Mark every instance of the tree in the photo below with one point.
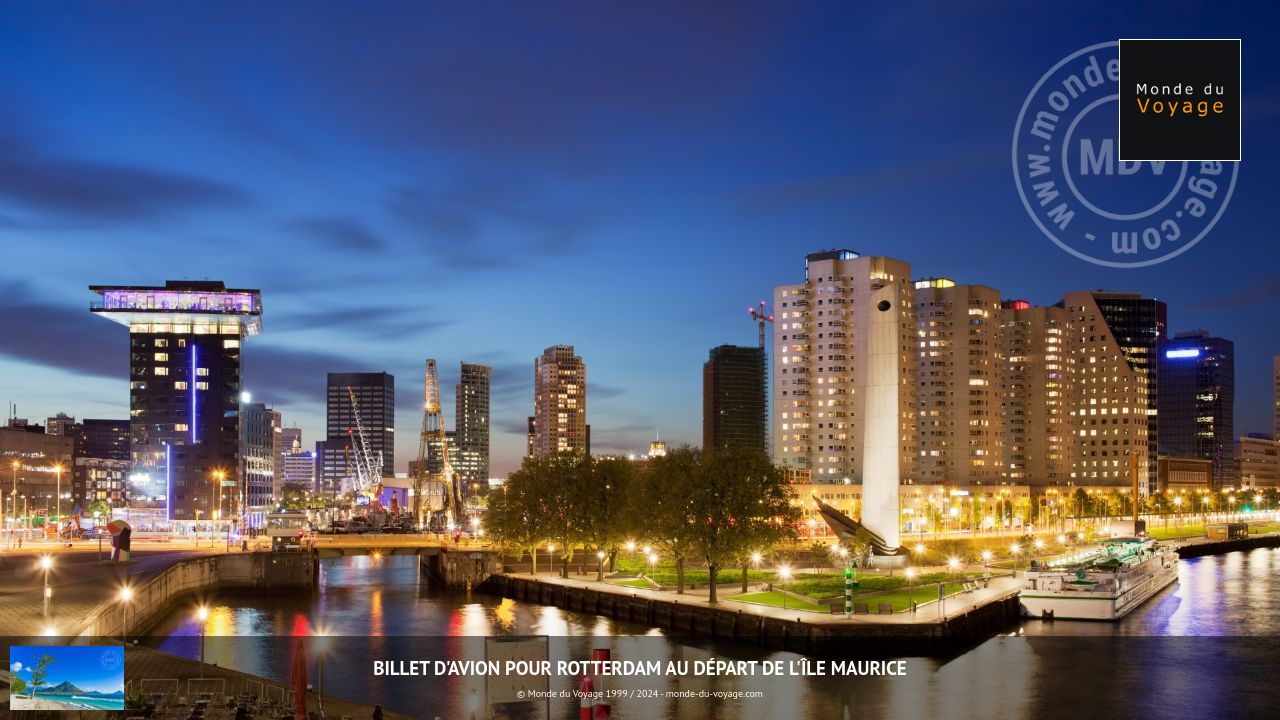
(40, 673)
(17, 686)
(606, 510)
(516, 518)
(667, 491)
(740, 502)
(98, 509)
(293, 496)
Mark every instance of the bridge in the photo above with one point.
(464, 563)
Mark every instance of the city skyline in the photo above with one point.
(424, 219)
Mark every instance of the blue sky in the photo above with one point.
(477, 182)
(80, 665)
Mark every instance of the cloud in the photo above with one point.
(377, 321)
(340, 232)
(603, 392)
(278, 375)
(61, 337)
(1268, 289)
(15, 667)
(103, 190)
(480, 224)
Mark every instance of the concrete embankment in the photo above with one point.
(155, 597)
(899, 634)
(1221, 547)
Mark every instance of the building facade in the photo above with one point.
(1258, 456)
(471, 411)
(1039, 394)
(1115, 337)
(734, 407)
(259, 448)
(184, 377)
(99, 480)
(1197, 402)
(960, 420)
(375, 400)
(560, 402)
(845, 380)
(106, 439)
(60, 424)
(35, 471)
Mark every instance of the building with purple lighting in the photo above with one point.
(184, 392)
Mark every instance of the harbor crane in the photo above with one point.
(368, 464)
(443, 479)
(761, 315)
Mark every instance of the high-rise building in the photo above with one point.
(259, 448)
(471, 410)
(104, 439)
(1259, 458)
(845, 380)
(1275, 396)
(290, 444)
(560, 402)
(60, 424)
(529, 434)
(184, 380)
(1039, 389)
(1115, 341)
(299, 468)
(1197, 401)
(961, 364)
(375, 398)
(734, 411)
(99, 480)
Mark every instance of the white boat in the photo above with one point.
(1103, 583)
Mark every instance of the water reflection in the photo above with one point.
(381, 609)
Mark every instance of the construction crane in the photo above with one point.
(433, 435)
(761, 316)
(368, 465)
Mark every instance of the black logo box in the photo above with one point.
(1183, 64)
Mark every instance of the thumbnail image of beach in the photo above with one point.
(66, 677)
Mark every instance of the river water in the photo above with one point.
(1206, 647)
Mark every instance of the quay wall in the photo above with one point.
(730, 622)
(153, 598)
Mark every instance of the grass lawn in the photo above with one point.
(775, 599)
(665, 573)
(633, 582)
(825, 586)
(901, 599)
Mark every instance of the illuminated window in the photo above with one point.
(162, 357)
(162, 371)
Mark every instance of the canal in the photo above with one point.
(1205, 646)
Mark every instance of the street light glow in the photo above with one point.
(46, 562)
(986, 556)
(953, 562)
(126, 593)
(202, 613)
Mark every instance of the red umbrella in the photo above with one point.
(299, 678)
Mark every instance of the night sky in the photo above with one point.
(477, 181)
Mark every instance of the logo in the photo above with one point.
(111, 658)
(1085, 199)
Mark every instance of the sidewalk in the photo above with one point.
(79, 584)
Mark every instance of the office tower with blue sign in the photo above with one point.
(1197, 402)
(184, 393)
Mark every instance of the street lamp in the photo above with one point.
(202, 614)
(126, 594)
(13, 492)
(322, 646)
(986, 563)
(784, 574)
(953, 563)
(57, 469)
(46, 563)
(1016, 549)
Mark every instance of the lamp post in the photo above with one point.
(986, 564)
(1016, 549)
(57, 524)
(322, 645)
(46, 562)
(126, 594)
(218, 475)
(13, 492)
(784, 574)
(202, 614)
